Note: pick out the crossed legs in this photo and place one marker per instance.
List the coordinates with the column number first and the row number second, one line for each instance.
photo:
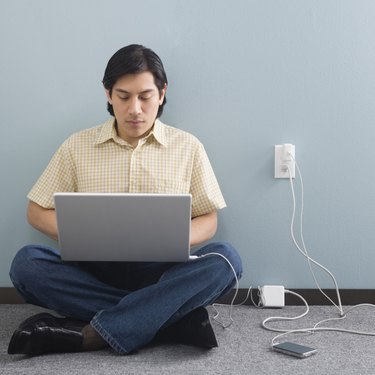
column 125, row 304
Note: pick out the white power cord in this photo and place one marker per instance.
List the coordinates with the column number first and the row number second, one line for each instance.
column 315, row 328
column 311, row 261
column 216, row 317
column 304, row 251
column 283, row 318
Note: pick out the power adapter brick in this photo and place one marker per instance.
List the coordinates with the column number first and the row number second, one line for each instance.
column 272, row 296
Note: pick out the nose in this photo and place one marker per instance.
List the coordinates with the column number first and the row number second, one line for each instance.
column 135, row 107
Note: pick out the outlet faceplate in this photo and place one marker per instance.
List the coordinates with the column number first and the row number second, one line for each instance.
column 284, row 158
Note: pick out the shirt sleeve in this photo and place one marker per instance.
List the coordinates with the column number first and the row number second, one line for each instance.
column 204, row 189
column 59, row 176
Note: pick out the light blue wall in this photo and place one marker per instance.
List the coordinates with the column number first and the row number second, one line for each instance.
column 244, row 75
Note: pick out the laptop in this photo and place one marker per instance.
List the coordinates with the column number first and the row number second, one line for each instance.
column 124, row 227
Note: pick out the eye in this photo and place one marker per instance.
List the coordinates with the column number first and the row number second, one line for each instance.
column 145, row 97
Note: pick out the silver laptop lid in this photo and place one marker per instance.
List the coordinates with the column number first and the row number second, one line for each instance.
column 123, row 226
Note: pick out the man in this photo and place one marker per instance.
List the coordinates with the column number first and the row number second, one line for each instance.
column 124, row 305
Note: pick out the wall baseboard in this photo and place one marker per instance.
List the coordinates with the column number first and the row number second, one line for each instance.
column 10, row 296
column 312, row 296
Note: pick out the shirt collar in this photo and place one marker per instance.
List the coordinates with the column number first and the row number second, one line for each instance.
column 158, row 133
column 108, row 131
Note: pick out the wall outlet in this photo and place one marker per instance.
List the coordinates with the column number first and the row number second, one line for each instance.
column 285, row 164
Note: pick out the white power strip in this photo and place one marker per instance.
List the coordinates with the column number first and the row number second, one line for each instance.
column 272, row 296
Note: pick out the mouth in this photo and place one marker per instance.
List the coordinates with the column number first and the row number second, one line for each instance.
column 134, row 122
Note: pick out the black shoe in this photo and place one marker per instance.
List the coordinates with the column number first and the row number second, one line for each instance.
column 193, row 329
column 44, row 333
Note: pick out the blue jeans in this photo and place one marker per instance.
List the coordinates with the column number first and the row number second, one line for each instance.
column 127, row 303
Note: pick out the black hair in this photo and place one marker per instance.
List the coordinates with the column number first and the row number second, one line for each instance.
column 134, row 59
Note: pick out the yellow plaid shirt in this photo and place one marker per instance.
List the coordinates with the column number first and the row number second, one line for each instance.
column 167, row 160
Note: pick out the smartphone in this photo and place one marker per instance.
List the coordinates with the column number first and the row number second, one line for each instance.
column 293, row 349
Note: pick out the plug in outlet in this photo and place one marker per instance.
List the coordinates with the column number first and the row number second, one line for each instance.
column 284, row 158
column 272, row 296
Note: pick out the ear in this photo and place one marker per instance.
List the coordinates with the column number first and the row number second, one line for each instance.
column 108, row 94
column 162, row 94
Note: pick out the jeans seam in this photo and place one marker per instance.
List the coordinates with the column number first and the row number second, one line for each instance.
column 107, row 336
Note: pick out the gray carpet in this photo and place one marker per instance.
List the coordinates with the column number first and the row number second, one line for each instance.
column 244, row 348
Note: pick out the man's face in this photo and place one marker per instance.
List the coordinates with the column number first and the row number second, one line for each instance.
column 135, row 100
